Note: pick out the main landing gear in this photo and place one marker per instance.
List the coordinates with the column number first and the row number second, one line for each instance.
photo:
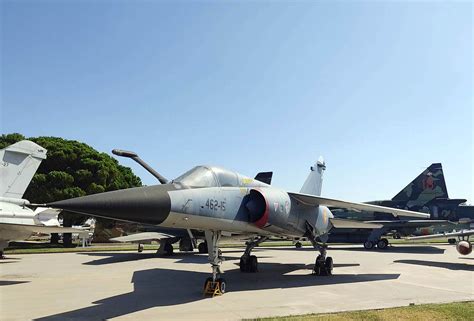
column 214, row 285
column 248, row 262
column 323, row 265
column 381, row 244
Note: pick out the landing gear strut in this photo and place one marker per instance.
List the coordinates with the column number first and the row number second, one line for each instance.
column 214, row 285
column 248, row 262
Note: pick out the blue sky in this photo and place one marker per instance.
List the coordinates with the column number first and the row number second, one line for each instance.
column 381, row 89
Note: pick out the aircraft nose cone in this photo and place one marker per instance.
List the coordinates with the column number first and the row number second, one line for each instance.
column 148, row 204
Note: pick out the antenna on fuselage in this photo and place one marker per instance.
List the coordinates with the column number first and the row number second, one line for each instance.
column 134, row 156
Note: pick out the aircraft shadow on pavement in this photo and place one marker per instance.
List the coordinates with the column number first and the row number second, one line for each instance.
column 190, row 257
column 444, row 265
column 423, row 249
column 165, row 287
column 3, row 283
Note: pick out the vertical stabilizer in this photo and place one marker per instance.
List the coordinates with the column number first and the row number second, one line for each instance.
column 314, row 182
column 19, row 163
column 425, row 187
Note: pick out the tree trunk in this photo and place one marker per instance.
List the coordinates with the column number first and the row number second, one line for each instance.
column 67, row 237
column 54, row 238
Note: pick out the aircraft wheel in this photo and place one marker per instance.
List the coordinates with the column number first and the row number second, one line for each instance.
column 328, row 264
column 222, row 284
column 452, row 241
column 168, row 249
column 382, row 244
column 369, row 245
column 243, row 265
column 253, row 264
column 317, row 270
column 202, row 247
column 298, row 245
column 140, row 248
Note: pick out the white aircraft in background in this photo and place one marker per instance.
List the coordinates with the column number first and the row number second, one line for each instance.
column 19, row 163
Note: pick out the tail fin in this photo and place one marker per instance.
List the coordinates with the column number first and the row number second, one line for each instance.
column 314, row 182
column 19, row 163
column 425, row 187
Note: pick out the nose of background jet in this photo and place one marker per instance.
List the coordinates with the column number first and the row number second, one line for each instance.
column 148, row 204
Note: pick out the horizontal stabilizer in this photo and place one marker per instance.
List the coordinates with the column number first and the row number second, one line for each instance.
column 436, row 236
column 312, row 200
column 343, row 223
column 142, row 237
column 264, row 177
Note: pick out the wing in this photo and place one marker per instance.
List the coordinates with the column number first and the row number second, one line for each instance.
column 343, row 223
column 39, row 228
column 312, row 200
column 410, row 223
column 142, row 237
column 435, row 236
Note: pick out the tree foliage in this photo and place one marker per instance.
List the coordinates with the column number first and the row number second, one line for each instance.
column 72, row 169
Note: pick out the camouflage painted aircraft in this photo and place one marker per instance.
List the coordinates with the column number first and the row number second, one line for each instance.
column 426, row 193
column 218, row 201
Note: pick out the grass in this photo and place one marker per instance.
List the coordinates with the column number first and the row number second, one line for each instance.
column 424, row 312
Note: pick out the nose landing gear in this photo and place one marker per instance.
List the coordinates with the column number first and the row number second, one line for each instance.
column 214, row 285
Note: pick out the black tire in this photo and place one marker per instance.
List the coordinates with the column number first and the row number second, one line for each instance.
column 168, row 249
column 253, row 264
column 222, row 284
column 243, row 265
column 317, row 270
column 328, row 265
column 368, row 245
column 202, row 247
column 452, row 241
column 298, row 245
column 382, row 244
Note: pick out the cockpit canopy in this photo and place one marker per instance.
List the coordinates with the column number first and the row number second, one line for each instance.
column 207, row 176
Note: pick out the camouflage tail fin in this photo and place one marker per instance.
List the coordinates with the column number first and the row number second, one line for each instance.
column 425, row 187
column 314, row 182
column 19, row 163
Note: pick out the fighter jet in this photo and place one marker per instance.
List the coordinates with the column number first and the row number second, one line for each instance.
column 463, row 246
column 188, row 239
column 19, row 163
column 219, row 201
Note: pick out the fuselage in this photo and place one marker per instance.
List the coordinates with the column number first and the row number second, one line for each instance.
column 207, row 198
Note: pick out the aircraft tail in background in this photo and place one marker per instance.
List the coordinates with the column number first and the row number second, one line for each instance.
column 314, row 182
column 18, row 164
column 430, row 184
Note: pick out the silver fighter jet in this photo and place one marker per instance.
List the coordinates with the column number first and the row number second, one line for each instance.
column 218, row 201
